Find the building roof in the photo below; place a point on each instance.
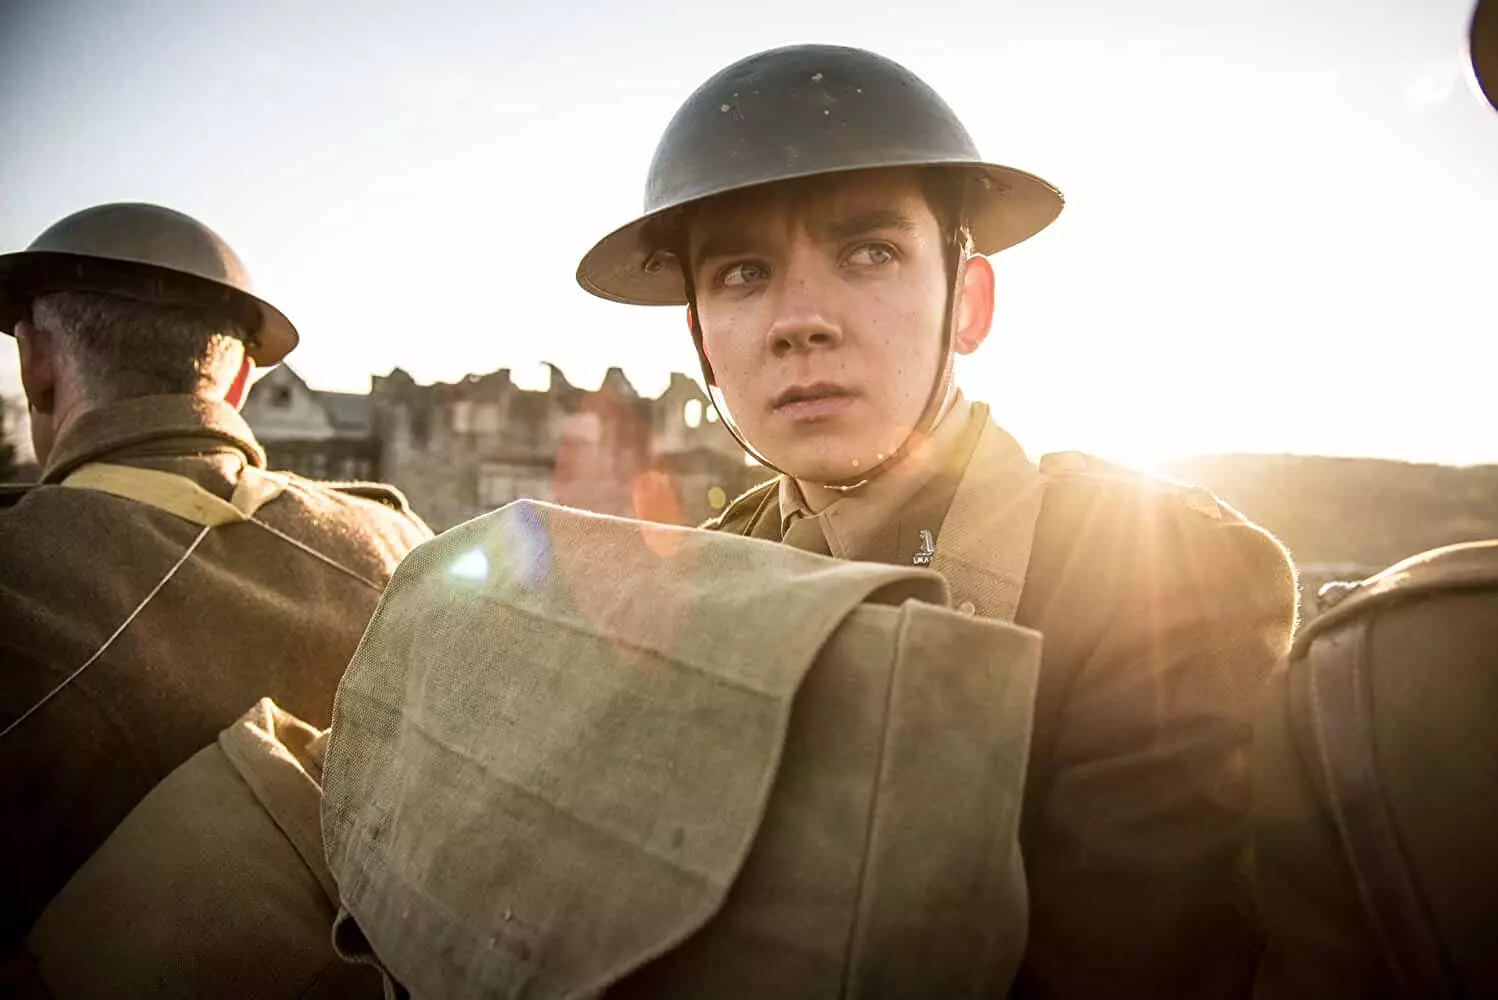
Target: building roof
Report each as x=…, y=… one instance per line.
x=350, y=412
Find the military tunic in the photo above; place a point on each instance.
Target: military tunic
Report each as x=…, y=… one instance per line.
x=1414, y=756
x=178, y=628
x=1163, y=612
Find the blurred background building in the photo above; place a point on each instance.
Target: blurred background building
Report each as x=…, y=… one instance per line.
x=462, y=449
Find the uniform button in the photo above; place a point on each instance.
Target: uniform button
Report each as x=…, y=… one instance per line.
x=966, y=608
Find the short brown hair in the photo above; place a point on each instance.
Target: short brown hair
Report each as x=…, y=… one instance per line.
x=122, y=348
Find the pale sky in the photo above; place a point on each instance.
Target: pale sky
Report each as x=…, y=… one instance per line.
x=1281, y=231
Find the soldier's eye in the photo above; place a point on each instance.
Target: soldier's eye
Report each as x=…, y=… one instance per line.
x=745, y=272
x=870, y=255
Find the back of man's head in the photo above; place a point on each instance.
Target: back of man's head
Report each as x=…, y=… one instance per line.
x=115, y=348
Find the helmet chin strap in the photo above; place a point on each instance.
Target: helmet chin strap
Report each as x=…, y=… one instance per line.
x=938, y=396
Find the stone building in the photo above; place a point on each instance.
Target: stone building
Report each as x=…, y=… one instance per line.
x=317, y=434
x=461, y=449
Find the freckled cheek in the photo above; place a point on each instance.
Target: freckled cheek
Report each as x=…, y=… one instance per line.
x=735, y=364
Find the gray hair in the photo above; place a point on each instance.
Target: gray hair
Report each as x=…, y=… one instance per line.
x=121, y=348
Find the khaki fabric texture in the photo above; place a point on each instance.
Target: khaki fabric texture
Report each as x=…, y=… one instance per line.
x=887, y=864
x=989, y=528
x=179, y=628
x=1164, y=612
x=854, y=522
x=567, y=740
x=214, y=885
x=987, y=501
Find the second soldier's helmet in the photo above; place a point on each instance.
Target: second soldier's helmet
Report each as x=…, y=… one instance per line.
x=1483, y=37
x=148, y=253
x=795, y=112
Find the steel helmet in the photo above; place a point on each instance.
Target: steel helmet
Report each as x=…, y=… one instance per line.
x=804, y=111
x=1483, y=38
x=148, y=253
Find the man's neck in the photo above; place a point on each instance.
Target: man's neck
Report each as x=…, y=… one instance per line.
x=67, y=409
x=819, y=497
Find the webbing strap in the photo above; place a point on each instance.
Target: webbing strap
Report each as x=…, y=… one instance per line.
x=1341, y=717
x=179, y=495
x=16, y=722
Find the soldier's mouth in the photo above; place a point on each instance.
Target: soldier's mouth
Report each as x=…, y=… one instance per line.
x=813, y=400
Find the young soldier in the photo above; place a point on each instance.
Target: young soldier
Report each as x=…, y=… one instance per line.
x=824, y=217
x=157, y=582
x=1376, y=810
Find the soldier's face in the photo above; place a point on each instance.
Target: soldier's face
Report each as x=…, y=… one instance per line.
x=821, y=312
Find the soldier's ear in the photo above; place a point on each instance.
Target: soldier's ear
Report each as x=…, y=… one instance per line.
x=38, y=364
x=974, y=310
x=240, y=386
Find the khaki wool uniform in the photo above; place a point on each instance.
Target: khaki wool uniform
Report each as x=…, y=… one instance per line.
x=1163, y=613
x=172, y=627
x=1391, y=697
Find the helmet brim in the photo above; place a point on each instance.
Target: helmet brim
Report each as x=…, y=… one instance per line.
x=1483, y=41
x=30, y=273
x=1005, y=207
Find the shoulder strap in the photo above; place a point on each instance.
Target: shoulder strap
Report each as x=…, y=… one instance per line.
x=383, y=493
x=179, y=495
x=1341, y=724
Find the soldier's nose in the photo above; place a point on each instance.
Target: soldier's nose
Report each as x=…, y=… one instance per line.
x=801, y=323
x=802, y=335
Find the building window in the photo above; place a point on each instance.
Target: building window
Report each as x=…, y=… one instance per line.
x=280, y=397
x=692, y=413
x=462, y=417
x=583, y=428
x=421, y=425
x=486, y=418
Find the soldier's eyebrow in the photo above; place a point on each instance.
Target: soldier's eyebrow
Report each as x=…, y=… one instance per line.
x=720, y=245
x=837, y=230
x=737, y=243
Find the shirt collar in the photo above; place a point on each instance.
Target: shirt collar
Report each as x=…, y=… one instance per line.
x=143, y=424
x=853, y=519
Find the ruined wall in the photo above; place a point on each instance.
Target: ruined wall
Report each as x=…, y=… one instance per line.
x=462, y=449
